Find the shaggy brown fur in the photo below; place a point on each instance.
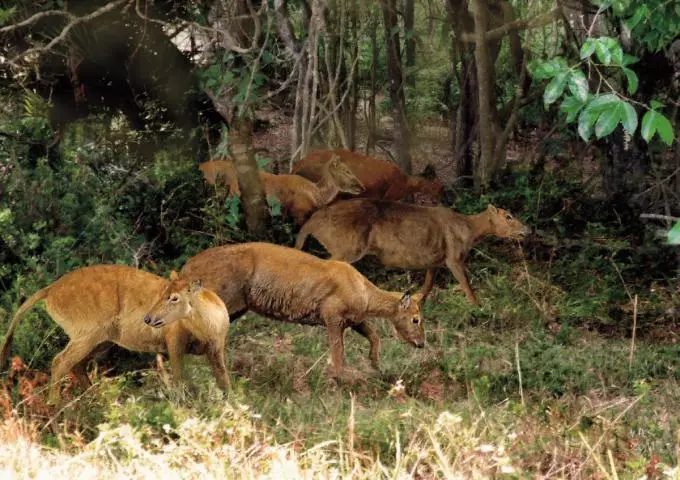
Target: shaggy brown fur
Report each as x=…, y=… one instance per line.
x=104, y=304
x=381, y=179
x=285, y=284
x=299, y=197
x=407, y=236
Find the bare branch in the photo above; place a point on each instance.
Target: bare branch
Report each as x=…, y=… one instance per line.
x=75, y=21
x=286, y=28
x=525, y=24
x=36, y=17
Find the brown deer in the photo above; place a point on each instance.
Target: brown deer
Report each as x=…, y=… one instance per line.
x=104, y=304
x=299, y=197
x=381, y=179
x=293, y=286
x=407, y=236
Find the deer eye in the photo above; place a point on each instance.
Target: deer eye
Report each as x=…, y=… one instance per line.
x=174, y=298
x=508, y=217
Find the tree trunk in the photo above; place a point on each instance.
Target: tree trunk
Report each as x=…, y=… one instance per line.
x=401, y=133
x=410, y=41
x=252, y=193
x=484, y=170
x=372, y=126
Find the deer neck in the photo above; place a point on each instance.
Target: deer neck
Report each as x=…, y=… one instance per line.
x=205, y=316
x=382, y=303
x=327, y=189
x=480, y=227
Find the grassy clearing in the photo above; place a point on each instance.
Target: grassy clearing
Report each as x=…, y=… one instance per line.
x=524, y=386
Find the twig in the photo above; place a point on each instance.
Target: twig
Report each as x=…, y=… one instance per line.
x=658, y=216
x=519, y=373
x=632, y=339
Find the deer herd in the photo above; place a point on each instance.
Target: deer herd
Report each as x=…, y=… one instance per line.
x=353, y=205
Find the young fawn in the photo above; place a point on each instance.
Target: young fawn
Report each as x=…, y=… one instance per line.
x=104, y=304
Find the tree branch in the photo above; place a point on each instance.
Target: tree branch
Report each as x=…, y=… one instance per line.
x=74, y=21
x=525, y=24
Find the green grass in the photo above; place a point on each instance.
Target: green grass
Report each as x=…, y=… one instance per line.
x=457, y=406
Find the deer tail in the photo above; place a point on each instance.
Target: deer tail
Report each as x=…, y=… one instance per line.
x=304, y=232
x=7, y=344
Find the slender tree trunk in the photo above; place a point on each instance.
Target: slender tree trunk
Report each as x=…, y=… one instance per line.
x=252, y=193
x=354, y=85
x=478, y=8
x=401, y=130
x=410, y=41
x=372, y=126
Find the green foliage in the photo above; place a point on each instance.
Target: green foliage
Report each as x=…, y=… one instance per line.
x=601, y=112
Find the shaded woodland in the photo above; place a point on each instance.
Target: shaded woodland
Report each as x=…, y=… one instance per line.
x=564, y=113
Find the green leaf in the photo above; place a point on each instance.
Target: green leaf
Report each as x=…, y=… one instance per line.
x=555, y=88
x=673, y=236
x=544, y=70
x=656, y=105
x=629, y=59
x=602, y=102
x=571, y=106
x=586, y=120
x=640, y=12
x=648, y=125
x=664, y=129
x=632, y=78
x=629, y=118
x=578, y=85
x=608, y=120
x=602, y=52
x=587, y=48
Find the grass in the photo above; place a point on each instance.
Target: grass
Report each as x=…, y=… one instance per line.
x=524, y=386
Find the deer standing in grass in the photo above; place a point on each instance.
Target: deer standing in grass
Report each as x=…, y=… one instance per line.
x=298, y=196
x=104, y=304
x=381, y=179
x=407, y=236
x=293, y=286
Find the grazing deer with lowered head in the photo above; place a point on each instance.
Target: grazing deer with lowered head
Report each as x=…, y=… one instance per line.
x=407, y=236
x=293, y=286
x=298, y=196
x=381, y=179
x=104, y=304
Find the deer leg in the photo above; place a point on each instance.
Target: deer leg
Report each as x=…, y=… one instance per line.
x=215, y=356
x=74, y=353
x=177, y=344
x=457, y=267
x=79, y=370
x=366, y=329
x=337, y=345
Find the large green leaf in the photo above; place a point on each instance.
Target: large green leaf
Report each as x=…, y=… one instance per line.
x=603, y=53
x=629, y=118
x=664, y=129
x=603, y=102
x=608, y=120
x=578, y=85
x=632, y=78
x=555, y=88
x=571, y=106
x=648, y=125
x=587, y=48
x=586, y=120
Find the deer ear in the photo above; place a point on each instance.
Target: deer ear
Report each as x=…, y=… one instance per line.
x=335, y=160
x=173, y=276
x=492, y=209
x=405, y=301
x=195, y=286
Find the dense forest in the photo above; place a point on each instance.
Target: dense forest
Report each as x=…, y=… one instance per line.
x=537, y=138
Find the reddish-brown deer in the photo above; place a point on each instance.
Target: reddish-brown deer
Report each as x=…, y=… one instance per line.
x=407, y=236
